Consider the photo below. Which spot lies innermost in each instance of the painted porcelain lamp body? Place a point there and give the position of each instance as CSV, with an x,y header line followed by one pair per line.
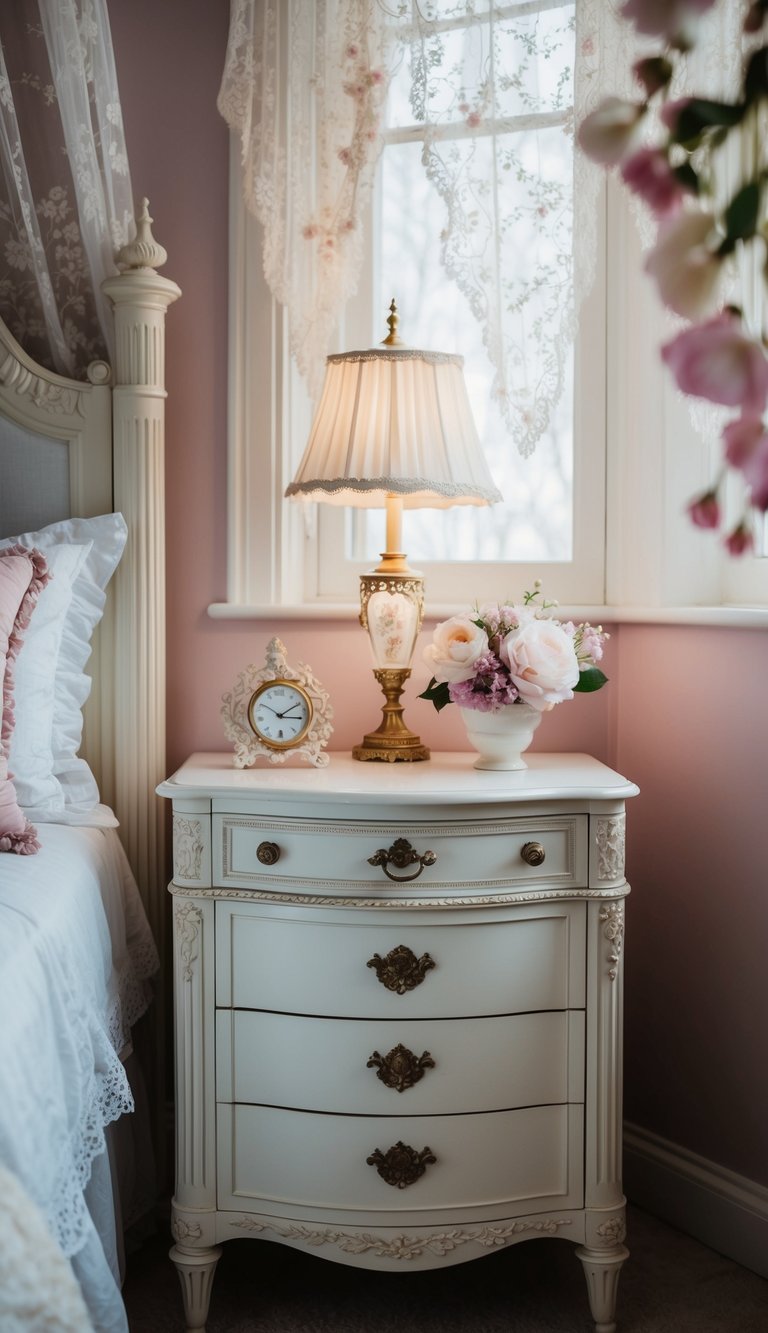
x,y
393,429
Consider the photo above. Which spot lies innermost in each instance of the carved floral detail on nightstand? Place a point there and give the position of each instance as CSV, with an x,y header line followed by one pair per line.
x,y
402,1246
189,920
613,1231
181,1230
612,920
610,840
188,847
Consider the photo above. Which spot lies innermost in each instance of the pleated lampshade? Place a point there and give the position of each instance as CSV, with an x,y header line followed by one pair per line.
x,y
394,422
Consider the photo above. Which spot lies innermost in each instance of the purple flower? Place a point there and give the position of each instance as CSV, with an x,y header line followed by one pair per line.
x,y
488,689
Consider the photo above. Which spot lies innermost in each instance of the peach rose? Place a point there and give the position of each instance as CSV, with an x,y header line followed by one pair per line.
x,y
456,645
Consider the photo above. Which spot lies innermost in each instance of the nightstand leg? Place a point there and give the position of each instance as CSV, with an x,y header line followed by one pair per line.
x,y
196,1269
601,1269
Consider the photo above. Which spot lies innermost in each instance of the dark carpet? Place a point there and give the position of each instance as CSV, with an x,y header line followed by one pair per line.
x,y
670,1284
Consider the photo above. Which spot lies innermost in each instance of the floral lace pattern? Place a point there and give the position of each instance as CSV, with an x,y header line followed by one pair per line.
x,y
67,204
332,99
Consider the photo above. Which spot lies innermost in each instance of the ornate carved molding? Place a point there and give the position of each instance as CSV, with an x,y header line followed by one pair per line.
x,y
610,837
55,398
189,920
188,847
181,1230
612,920
613,1231
403,1246
464,900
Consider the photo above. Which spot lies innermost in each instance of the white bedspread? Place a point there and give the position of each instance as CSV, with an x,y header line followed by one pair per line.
x,y
76,955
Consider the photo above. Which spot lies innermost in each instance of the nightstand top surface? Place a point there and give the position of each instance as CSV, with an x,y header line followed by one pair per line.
x,y
449,778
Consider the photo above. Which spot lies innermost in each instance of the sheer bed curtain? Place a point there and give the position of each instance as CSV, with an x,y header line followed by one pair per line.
x,y
492,92
66,206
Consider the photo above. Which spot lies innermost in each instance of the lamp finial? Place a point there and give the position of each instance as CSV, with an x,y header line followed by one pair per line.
x,y
393,319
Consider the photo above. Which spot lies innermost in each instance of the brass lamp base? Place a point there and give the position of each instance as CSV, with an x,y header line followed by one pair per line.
x,y
392,741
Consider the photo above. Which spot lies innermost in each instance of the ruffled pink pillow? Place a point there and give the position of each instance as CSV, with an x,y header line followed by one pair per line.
x,y
23,574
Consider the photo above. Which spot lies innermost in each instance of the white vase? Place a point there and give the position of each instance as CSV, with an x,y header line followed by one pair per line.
x,y
501,738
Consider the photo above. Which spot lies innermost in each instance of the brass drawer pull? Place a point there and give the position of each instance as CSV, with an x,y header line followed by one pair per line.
x,y
400,1165
400,1068
532,853
401,970
401,854
268,853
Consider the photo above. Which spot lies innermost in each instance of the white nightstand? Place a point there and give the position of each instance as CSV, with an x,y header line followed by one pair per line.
x,y
398,1012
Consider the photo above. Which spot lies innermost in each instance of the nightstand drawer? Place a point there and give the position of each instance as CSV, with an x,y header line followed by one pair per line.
x,y
393,1067
526,1160
462,964
252,852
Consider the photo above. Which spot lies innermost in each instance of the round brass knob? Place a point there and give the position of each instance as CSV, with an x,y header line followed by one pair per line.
x,y
532,853
268,853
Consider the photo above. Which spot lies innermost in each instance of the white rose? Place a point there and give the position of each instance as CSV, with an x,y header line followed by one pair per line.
x,y
608,133
456,645
542,663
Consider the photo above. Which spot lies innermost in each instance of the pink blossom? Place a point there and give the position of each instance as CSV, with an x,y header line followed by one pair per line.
x,y
670,111
352,51
607,134
684,268
473,119
739,541
375,76
649,175
588,46
705,511
740,438
755,472
664,18
716,361
310,231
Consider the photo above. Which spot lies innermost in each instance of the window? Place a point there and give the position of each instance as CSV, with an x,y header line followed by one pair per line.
x,y
613,472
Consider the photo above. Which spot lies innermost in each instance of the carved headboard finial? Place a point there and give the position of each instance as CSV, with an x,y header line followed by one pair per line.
x,y
143,251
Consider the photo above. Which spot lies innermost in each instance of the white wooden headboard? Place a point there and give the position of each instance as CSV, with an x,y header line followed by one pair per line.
x,y
84,448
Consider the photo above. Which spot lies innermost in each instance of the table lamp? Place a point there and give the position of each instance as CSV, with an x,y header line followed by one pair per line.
x,y
393,429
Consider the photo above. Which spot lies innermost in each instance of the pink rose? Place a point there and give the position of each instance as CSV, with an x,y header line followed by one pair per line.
x,y
648,174
740,438
717,362
705,511
684,268
542,663
664,18
455,648
739,541
754,470
670,112
607,133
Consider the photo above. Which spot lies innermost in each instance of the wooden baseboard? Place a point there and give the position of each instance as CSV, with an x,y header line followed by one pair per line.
x,y
721,1209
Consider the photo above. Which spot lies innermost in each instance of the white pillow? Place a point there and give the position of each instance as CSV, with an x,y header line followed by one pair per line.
x,y
52,781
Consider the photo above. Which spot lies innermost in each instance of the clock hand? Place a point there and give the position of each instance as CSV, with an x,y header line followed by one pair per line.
x,y
288,711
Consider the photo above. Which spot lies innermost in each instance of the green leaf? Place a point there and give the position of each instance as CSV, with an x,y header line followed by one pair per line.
x,y
437,694
685,174
590,679
756,76
741,215
699,114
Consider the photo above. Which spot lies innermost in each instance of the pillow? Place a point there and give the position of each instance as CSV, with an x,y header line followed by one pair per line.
x,y
53,782
23,575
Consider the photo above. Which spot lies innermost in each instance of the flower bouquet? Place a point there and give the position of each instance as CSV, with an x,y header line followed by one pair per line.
x,y
513,654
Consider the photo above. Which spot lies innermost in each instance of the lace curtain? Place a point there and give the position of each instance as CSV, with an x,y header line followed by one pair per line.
x,y
493,92
67,203
303,86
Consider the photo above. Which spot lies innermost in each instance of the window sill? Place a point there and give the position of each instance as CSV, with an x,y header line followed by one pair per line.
x,y
726,617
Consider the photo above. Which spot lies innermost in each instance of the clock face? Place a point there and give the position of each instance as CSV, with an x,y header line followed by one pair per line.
x,y
280,713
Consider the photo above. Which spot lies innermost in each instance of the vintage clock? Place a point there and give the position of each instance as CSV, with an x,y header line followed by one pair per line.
x,y
277,710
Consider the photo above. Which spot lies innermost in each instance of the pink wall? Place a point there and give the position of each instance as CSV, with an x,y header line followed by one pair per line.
x,y
693,733
696,993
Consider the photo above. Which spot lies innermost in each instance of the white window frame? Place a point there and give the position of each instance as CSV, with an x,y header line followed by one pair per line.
x,y
647,563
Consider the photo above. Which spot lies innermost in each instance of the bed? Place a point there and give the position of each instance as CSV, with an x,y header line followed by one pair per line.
x,y
82,918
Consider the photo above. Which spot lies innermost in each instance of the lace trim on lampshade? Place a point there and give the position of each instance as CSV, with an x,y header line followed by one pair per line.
x,y
456,490
399,354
